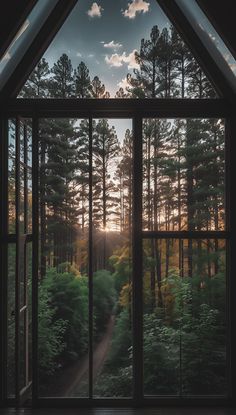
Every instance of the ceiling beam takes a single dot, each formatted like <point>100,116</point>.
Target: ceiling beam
<point>35,51</point>
<point>13,15</point>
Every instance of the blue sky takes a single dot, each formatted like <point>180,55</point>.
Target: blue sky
<point>104,34</point>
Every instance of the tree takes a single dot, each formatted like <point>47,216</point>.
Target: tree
<point>37,84</point>
<point>124,178</point>
<point>59,172</point>
<point>98,89</point>
<point>155,78</point>
<point>105,149</point>
<point>122,94</point>
<point>83,87</point>
<point>61,84</point>
<point>198,84</point>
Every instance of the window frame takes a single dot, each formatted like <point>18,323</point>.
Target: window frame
<point>136,110</point>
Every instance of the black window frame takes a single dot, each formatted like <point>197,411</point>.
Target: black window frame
<point>136,110</point>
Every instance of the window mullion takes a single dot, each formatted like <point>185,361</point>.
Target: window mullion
<point>90,248</point>
<point>137,283</point>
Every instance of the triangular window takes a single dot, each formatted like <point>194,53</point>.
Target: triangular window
<point>118,49</point>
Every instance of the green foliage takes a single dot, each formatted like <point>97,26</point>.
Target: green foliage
<point>104,297</point>
<point>116,377</point>
<point>51,332</point>
<point>69,298</point>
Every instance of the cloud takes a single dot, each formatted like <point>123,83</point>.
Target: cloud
<point>79,54</point>
<point>112,45</point>
<point>119,60</point>
<point>137,6</point>
<point>91,55</point>
<point>95,11</point>
<point>123,84</point>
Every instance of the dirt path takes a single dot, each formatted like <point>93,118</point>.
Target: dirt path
<point>79,374</point>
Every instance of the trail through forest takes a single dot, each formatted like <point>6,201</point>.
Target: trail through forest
<point>79,376</point>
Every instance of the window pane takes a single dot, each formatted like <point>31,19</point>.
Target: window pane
<point>112,210</point>
<point>63,285</point>
<point>11,176</point>
<point>104,51</point>
<point>184,317</point>
<point>29,308</point>
<point>183,174</point>
<point>11,320</point>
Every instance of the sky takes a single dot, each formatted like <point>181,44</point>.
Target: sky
<point>104,35</point>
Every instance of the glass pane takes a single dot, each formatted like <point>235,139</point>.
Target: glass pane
<point>29,201</point>
<point>29,143</point>
<point>22,199</point>
<point>104,51</point>
<point>63,286</point>
<point>112,209</point>
<point>184,317</point>
<point>23,349</point>
<point>11,176</point>
<point>183,174</point>
<point>22,271</point>
<point>210,38</point>
<point>11,320</point>
<point>29,308</point>
<point>24,38</point>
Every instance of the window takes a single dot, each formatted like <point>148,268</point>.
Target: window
<point>91,57</point>
<point>116,220</point>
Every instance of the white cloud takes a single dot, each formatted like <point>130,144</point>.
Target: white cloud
<point>114,60</point>
<point>95,11</point>
<point>91,55</point>
<point>119,60</point>
<point>112,45</point>
<point>137,6</point>
<point>79,54</point>
<point>123,84</point>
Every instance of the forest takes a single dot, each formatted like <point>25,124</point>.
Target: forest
<point>184,280</point>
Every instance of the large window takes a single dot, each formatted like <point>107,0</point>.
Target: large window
<point>121,50</point>
<point>109,244</point>
<point>115,217</point>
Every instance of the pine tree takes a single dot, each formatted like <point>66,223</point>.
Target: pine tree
<point>124,178</point>
<point>198,84</point>
<point>62,85</point>
<point>83,85</point>
<point>105,150</point>
<point>98,89</point>
<point>122,94</point>
<point>38,82</point>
